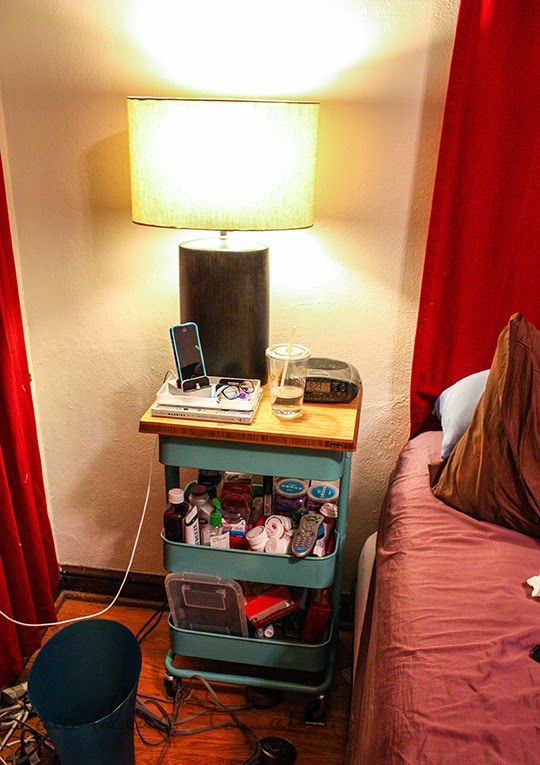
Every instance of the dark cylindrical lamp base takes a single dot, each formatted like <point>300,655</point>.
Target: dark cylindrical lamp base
<point>225,292</point>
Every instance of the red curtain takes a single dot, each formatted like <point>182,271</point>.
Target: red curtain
<point>483,251</point>
<point>28,566</point>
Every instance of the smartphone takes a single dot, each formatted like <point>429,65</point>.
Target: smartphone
<point>189,356</point>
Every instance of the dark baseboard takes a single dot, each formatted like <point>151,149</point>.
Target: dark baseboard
<point>105,581</point>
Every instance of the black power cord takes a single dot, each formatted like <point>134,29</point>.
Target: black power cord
<point>271,749</point>
<point>151,623</point>
<point>27,750</point>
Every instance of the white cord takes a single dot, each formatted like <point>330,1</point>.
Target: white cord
<point>23,717</point>
<point>111,604</point>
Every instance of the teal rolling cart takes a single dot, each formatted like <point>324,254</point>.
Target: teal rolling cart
<point>318,445</point>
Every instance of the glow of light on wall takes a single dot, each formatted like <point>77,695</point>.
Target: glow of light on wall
<point>248,47</point>
<point>301,263</point>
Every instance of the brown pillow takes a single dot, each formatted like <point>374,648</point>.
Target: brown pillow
<point>493,473</point>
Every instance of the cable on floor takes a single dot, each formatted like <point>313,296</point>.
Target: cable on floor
<point>151,623</point>
<point>169,724</point>
<point>23,749</point>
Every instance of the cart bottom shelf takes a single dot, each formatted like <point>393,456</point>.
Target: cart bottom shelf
<point>268,664</point>
<point>319,683</point>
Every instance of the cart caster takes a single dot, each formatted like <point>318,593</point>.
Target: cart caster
<point>315,711</point>
<point>262,698</point>
<point>172,685</point>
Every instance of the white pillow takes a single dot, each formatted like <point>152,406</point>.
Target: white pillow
<point>455,408</point>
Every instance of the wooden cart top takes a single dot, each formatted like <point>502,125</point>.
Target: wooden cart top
<point>321,426</point>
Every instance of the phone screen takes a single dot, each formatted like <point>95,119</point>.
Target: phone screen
<point>187,351</point>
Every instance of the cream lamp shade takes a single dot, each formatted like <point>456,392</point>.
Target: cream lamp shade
<point>222,165</point>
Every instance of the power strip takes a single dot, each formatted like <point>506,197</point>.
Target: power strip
<point>9,696</point>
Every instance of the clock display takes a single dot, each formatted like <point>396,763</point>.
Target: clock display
<point>329,381</point>
<point>319,386</point>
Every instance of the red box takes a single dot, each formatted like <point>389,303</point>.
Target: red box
<point>270,606</point>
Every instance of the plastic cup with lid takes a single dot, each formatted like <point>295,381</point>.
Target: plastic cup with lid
<point>287,365</point>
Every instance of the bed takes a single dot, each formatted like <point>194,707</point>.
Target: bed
<point>444,674</point>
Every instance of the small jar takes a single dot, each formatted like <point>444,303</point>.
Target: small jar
<point>320,492</point>
<point>235,511</point>
<point>280,546</point>
<point>257,538</point>
<point>289,495</point>
<point>277,526</point>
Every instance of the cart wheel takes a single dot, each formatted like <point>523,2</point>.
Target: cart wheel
<point>172,685</point>
<point>262,698</point>
<point>315,711</point>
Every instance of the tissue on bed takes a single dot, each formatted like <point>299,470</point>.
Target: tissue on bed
<point>534,582</point>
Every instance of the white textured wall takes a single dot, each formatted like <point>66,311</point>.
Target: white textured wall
<point>99,293</point>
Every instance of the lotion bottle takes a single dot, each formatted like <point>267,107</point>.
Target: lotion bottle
<point>191,527</point>
<point>216,520</point>
<point>218,537</point>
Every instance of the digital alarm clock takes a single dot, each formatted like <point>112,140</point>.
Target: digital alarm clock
<point>329,381</point>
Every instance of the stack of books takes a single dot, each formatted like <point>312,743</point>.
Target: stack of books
<point>223,400</point>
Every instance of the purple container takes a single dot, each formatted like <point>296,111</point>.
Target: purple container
<point>320,493</point>
<point>290,495</point>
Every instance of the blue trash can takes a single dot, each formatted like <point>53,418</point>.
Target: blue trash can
<point>83,686</point>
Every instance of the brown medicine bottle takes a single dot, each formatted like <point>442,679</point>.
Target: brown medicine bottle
<point>174,514</point>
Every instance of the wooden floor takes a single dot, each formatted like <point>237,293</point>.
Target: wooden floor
<point>314,744</point>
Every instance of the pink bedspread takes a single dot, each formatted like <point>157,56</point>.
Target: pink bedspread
<point>448,678</point>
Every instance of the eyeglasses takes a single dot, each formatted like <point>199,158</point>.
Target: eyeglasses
<point>236,390</point>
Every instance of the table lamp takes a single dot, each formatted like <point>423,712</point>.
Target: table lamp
<point>227,166</point>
